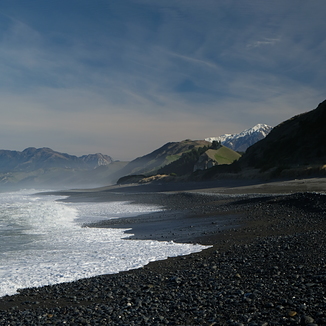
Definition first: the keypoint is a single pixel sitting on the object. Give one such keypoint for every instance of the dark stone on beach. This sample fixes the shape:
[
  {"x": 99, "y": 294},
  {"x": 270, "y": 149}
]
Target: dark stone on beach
[{"x": 306, "y": 320}]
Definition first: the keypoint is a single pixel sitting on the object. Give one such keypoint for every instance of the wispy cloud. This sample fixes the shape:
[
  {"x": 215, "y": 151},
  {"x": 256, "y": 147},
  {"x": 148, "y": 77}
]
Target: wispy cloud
[
  {"x": 202, "y": 63},
  {"x": 264, "y": 42}
]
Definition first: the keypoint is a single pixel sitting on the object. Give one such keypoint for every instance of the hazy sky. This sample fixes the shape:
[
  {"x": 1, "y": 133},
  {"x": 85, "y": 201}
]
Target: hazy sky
[{"x": 123, "y": 77}]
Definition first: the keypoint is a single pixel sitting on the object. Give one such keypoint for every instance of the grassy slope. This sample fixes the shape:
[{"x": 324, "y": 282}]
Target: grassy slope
[
  {"x": 170, "y": 152},
  {"x": 223, "y": 155}
]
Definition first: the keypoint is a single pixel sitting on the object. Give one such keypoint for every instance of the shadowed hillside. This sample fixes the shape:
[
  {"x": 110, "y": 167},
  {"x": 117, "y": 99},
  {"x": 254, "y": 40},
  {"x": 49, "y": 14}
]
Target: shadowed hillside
[{"x": 295, "y": 142}]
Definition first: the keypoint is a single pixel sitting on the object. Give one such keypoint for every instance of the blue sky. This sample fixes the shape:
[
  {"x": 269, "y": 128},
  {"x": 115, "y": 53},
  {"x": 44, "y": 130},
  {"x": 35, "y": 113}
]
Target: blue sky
[{"x": 123, "y": 77}]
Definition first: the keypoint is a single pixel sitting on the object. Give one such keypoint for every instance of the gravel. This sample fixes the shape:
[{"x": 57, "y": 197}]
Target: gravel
[{"x": 269, "y": 271}]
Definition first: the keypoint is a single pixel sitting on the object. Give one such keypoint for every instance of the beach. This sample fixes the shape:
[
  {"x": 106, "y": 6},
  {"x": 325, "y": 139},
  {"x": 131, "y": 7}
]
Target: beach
[{"x": 265, "y": 264}]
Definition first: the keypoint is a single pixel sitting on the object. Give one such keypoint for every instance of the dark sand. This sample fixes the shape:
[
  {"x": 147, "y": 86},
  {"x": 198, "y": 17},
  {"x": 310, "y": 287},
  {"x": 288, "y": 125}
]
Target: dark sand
[{"x": 266, "y": 265}]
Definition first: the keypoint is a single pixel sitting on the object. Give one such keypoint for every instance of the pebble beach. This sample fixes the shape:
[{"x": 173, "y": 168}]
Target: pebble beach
[{"x": 265, "y": 264}]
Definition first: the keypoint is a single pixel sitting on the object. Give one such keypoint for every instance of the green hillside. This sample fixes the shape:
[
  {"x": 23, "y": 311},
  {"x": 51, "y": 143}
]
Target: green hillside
[
  {"x": 200, "y": 158},
  {"x": 167, "y": 154},
  {"x": 223, "y": 155}
]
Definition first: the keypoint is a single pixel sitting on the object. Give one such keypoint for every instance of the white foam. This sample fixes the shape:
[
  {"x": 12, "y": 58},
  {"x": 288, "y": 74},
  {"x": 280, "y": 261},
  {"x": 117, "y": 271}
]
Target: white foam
[{"x": 48, "y": 244}]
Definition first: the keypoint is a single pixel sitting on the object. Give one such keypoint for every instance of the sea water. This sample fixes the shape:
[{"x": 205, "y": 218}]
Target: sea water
[{"x": 43, "y": 241}]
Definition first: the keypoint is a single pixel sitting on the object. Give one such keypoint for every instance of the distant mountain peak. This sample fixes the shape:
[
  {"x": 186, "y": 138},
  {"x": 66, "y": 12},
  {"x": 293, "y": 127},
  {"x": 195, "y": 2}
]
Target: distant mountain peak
[
  {"x": 33, "y": 158},
  {"x": 260, "y": 127},
  {"x": 241, "y": 141}
]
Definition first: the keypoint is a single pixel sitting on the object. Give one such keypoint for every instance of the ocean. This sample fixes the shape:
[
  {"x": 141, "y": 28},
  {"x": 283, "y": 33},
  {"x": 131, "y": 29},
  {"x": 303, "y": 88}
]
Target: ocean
[{"x": 43, "y": 241}]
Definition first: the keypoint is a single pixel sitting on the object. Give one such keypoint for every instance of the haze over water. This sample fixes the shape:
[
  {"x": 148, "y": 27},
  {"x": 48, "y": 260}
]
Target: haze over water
[{"x": 42, "y": 241}]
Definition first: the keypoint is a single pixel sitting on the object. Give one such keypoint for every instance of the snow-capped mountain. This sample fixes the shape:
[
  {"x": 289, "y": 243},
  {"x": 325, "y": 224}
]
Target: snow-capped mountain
[{"x": 240, "y": 142}]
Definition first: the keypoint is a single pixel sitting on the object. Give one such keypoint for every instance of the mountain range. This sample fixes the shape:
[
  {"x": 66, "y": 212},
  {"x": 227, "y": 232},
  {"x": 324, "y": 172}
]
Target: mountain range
[
  {"x": 44, "y": 158},
  {"x": 241, "y": 141},
  {"x": 44, "y": 168},
  {"x": 294, "y": 146},
  {"x": 187, "y": 156}
]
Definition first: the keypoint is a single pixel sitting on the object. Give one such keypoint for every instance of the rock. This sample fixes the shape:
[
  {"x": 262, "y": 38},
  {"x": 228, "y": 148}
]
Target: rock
[{"x": 306, "y": 320}]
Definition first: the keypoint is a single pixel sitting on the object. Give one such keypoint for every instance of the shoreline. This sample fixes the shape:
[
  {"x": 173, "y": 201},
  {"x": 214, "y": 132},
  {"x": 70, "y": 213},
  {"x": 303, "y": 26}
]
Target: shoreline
[
  {"x": 268, "y": 271},
  {"x": 194, "y": 212},
  {"x": 185, "y": 218}
]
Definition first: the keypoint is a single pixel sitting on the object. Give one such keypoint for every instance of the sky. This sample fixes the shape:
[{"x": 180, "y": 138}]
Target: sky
[{"x": 124, "y": 77}]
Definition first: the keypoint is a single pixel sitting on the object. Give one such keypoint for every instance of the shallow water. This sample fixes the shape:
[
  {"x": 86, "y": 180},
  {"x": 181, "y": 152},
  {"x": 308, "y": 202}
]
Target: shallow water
[{"x": 42, "y": 241}]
